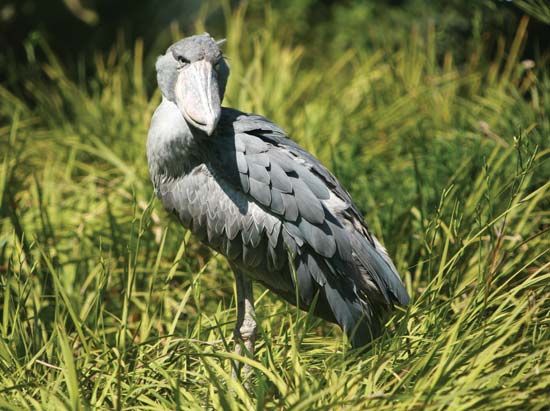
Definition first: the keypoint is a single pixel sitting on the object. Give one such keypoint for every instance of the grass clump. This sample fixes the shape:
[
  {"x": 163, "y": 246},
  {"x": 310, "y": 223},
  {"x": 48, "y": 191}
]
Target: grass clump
[{"x": 107, "y": 303}]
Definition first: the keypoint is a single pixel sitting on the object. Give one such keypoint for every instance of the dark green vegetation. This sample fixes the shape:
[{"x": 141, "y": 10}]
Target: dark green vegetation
[{"x": 105, "y": 302}]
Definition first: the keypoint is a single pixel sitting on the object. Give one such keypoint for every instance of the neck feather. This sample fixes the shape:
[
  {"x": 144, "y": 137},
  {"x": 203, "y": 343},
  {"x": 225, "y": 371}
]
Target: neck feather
[{"x": 171, "y": 145}]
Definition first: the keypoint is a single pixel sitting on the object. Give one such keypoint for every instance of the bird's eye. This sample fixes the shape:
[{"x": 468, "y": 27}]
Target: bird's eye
[
  {"x": 217, "y": 65},
  {"x": 182, "y": 60}
]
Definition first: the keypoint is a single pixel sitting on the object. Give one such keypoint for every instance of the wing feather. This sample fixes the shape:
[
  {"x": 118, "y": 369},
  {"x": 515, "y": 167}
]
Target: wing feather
[{"x": 312, "y": 220}]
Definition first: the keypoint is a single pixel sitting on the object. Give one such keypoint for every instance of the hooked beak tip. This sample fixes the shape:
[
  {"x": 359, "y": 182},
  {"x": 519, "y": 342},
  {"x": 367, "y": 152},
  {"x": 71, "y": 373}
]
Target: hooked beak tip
[{"x": 209, "y": 128}]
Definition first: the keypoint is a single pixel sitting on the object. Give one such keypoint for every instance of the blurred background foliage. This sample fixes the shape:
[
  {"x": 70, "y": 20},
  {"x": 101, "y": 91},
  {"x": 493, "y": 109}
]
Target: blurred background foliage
[{"x": 76, "y": 29}]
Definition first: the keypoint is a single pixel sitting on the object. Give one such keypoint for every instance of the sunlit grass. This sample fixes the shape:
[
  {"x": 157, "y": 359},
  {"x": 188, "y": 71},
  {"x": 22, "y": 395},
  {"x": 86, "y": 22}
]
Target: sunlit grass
[{"x": 107, "y": 303}]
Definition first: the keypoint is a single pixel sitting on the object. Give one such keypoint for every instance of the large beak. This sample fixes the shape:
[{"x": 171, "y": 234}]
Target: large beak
[{"x": 198, "y": 97}]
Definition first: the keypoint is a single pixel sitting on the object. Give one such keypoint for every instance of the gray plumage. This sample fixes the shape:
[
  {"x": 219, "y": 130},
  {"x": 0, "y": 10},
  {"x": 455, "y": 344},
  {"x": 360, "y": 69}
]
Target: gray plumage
[{"x": 254, "y": 195}]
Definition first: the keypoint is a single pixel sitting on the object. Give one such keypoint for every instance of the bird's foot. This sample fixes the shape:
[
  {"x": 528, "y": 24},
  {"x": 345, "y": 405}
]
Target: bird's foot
[
  {"x": 245, "y": 329},
  {"x": 245, "y": 337}
]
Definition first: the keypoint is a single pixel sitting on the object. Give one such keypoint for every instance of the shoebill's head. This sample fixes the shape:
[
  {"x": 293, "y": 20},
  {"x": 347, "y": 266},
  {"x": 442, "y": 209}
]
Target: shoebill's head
[{"x": 193, "y": 74}]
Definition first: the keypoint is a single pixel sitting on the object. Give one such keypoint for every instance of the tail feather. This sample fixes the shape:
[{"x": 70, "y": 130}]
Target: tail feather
[
  {"x": 381, "y": 269},
  {"x": 360, "y": 321}
]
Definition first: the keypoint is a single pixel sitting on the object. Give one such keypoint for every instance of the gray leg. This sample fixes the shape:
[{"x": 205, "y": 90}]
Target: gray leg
[{"x": 245, "y": 330}]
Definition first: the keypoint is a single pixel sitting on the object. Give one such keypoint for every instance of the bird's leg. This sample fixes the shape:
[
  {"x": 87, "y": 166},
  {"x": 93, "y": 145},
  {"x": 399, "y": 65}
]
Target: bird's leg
[{"x": 245, "y": 330}]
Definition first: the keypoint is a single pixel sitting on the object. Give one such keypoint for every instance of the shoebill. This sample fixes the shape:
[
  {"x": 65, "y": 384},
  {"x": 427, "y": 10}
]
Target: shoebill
[{"x": 273, "y": 210}]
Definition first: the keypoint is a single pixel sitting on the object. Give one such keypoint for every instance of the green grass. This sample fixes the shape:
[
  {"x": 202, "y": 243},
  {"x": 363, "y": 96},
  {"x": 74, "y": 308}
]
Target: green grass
[{"x": 106, "y": 303}]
